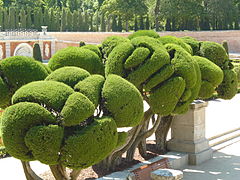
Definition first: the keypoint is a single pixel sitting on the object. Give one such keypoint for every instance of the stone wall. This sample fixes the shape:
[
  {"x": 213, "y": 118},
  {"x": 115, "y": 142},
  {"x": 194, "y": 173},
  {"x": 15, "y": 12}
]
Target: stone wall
[{"x": 64, "y": 38}]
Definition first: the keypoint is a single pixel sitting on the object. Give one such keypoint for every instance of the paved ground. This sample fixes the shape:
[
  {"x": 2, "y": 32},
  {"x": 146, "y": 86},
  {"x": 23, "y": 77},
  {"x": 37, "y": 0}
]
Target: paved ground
[
  {"x": 221, "y": 116},
  {"x": 225, "y": 165}
]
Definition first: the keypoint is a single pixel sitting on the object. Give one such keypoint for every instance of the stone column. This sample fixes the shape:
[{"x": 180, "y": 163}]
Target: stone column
[
  {"x": 188, "y": 134},
  {"x": 8, "y": 49}
]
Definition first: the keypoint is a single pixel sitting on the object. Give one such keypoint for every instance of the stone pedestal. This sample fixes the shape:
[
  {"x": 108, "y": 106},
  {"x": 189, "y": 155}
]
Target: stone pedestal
[{"x": 188, "y": 134}]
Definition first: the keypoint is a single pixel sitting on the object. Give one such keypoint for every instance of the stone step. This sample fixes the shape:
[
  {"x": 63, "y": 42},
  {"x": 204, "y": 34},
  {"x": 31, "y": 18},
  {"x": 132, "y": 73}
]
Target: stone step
[{"x": 224, "y": 139}]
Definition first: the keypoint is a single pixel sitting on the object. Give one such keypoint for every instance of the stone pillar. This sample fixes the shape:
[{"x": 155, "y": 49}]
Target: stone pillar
[
  {"x": 8, "y": 49},
  {"x": 188, "y": 134},
  {"x": 166, "y": 174}
]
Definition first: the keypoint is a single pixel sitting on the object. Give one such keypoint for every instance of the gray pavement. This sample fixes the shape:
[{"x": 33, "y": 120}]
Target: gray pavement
[
  {"x": 225, "y": 165},
  {"x": 221, "y": 116}
]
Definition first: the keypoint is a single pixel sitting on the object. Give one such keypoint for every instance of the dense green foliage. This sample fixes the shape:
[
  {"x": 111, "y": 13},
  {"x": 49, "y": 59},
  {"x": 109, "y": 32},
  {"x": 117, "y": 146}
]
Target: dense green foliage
[
  {"x": 154, "y": 68},
  {"x": 65, "y": 128},
  {"x": 49, "y": 93},
  {"x": 91, "y": 87},
  {"x": 68, "y": 75},
  {"x": 144, "y": 33},
  {"x": 125, "y": 108},
  {"x": 79, "y": 57},
  {"x": 15, "y": 72},
  {"x": 212, "y": 77},
  {"x": 174, "y": 40},
  {"x": 91, "y": 144},
  {"x": 37, "y": 55},
  {"x": 16, "y": 121}
]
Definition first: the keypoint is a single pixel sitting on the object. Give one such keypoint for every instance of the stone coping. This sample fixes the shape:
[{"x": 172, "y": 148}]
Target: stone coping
[{"x": 176, "y": 161}]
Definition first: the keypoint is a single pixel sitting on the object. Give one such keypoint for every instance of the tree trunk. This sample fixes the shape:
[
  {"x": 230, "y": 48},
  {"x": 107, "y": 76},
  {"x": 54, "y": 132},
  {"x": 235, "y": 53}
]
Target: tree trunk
[
  {"x": 59, "y": 172},
  {"x": 161, "y": 133},
  {"x": 74, "y": 174},
  {"x": 29, "y": 173},
  {"x": 127, "y": 25},
  {"x": 114, "y": 159}
]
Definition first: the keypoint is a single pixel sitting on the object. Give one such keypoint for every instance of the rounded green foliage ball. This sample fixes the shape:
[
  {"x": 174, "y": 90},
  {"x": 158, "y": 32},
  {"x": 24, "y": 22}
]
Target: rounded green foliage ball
[
  {"x": 212, "y": 76},
  {"x": 79, "y": 57},
  {"x": 123, "y": 101},
  {"x": 90, "y": 145},
  {"x": 20, "y": 70},
  {"x": 44, "y": 142},
  {"x": 164, "y": 99},
  {"x": 174, "y": 40},
  {"x": 51, "y": 94},
  {"x": 228, "y": 88},
  {"x": 195, "y": 45},
  {"x": 110, "y": 43},
  {"x": 214, "y": 52},
  {"x": 68, "y": 75},
  {"x": 149, "y": 33},
  {"x": 93, "y": 48},
  {"x": 77, "y": 109},
  {"x": 92, "y": 88},
  {"x": 183, "y": 64},
  {"x": 16, "y": 121}
]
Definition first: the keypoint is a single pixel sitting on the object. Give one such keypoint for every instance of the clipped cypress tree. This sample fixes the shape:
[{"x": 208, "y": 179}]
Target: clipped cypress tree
[
  {"x": 23, "y": 19},
  {"x": 12, "y": 18},
  {"x": 57, "y": 22},
  {"x": 141, "y": 23},
  {"x": 80, "y": 21},
  {"x": 91, "y": 23},
  {"x": 37, "y": 52},
  {"x": 63, "y": 20},
  {"x": 52, "y": 20},
  {"x": 17, "y": 19},
  {"x": 236, "y": 25},
  {"x": 86, "y": 22},
  {"x": 69, "y": 21},
  {"x": 168, "y": 25},
  {"x": 114, "y": 24},
  {"x": 28, "y": 19},
  {"x": 120, "y": 28},
  {"x": 1, "y": 19},
  {"x": 97, "y": 21},
  {"x": 46, "y": 17},
  {"x": 75, "y": 21},
  {"x": 103, "y": 24},
  {"x": 5, "y": 19},
  {"x": 135, "y": 24},
  {"x": 147, "y": 23}
]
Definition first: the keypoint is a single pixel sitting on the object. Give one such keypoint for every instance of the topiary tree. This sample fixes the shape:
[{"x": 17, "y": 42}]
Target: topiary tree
[
  {"x": 212, "y": 77},
  {"x": 37, "y": 55},
  {"x": 69, "y": 127},
  {"x": 76, "y": 56},
  {"x": 169, "y": 79},
  {"x": 218, "y": 55},
  {"x": 15, "y": 72}
]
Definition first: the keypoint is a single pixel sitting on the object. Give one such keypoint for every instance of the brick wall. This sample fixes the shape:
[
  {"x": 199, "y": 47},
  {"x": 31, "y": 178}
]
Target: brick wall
[{"x": 233, "y": 37}]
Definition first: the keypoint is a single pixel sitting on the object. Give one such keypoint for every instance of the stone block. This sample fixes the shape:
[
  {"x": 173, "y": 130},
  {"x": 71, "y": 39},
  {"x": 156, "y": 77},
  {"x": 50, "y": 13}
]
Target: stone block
[
  {"x": 188, "y": 146},
  {"x": 166, "y": 174},
  {"x": 198, "y": 158}
]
